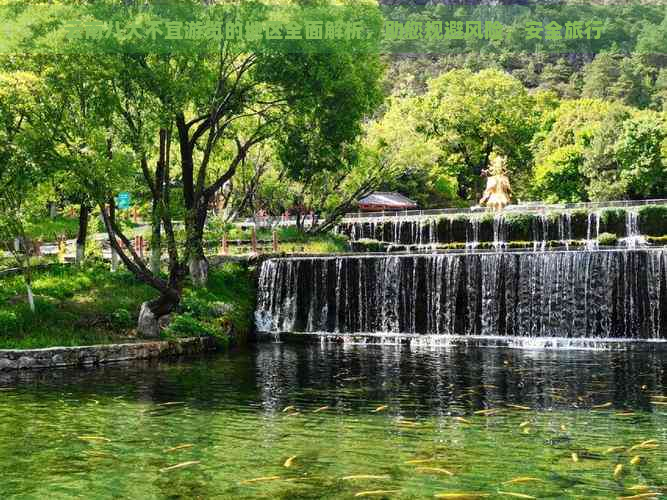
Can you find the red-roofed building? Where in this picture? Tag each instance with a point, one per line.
(380, 201)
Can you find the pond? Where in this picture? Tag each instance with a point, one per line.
(342, 421)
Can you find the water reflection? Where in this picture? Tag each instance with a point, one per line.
(487, 415)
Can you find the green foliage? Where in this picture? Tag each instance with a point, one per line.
(185, 325)
(607, 239)
(612, 220)
(558, 178)
(520, 225)
(653, 220)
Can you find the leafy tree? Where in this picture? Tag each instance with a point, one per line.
(472, 114)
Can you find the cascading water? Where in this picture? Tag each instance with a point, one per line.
(540, 232)
(576, 294)
(565, 229)
(472, 234)
(633, 237)
(592, 231)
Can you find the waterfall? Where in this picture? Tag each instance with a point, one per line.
(590, 294)
(499, 232)
(633, 237)
(565, 229)
(592, 231)
(541, 231)
(472, 233)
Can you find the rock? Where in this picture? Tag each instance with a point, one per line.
(199, 271)
(7, 364)
(164, 322)
(26, 362)
(221, 308)
(148, 323)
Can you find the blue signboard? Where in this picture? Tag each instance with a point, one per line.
(123, 200)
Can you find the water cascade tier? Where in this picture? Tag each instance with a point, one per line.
(596, 294)
(559, 228)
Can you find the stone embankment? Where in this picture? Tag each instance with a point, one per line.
(56, 357)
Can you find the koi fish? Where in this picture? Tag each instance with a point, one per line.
(618, 470)
(519, 407)
(524, 479)
(289, 461)
(380, 408)
(641, 495)
(258, 479)
(180, 466)
(363, 476)
(462, 496)
(375, 493)
(517, 495)
(289, 408)
(575, 457)
(179, 447)
(635, 460)
(461, 419)
(434, 469)
(321, 408)
(605, 405)
(490, 411)
(524, 424)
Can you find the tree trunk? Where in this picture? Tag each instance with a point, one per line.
(114, 255)
(84, 212)
(156, 238)
(196, 258)
(31, 297)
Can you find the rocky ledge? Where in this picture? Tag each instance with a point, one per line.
(55, 357)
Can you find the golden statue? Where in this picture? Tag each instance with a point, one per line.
(498, 190)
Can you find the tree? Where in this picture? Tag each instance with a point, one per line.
(189, 112)
(18, 171)
(472, 114)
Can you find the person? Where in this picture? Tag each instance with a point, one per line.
(498, 189)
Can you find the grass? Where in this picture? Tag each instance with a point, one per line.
(290, 240)
(74, 306)
(91, 305)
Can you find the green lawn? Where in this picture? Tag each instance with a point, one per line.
(91, 305)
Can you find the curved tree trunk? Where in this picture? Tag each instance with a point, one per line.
(84, 212)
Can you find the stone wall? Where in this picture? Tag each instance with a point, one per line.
(55, 357)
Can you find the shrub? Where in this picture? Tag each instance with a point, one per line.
(612, 220)
(366, 245)
(607, 239)
(185, 325)
(653, 220)
(121, 319)
(9, 323)
(520, 225)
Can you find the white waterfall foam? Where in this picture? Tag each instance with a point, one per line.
(633, 237)
(596, 294)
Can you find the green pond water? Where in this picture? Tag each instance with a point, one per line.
(397, 419)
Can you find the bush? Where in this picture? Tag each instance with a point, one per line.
(612, 220)
(121, 318)
(185, 325)
(9, 323)
(607, 239)
(520, 225)
(653, 220)
(366, 245)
